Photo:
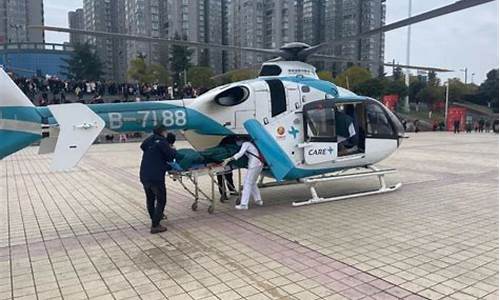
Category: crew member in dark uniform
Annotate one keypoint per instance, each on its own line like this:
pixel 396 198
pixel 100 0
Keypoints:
pixel 156 154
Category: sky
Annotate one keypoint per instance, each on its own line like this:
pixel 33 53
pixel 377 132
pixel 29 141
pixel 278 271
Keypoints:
pixel 464 39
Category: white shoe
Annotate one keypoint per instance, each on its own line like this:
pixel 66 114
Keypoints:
pixel 241 207
pixel 259 203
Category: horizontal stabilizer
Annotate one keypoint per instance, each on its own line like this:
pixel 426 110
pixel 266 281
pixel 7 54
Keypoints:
pixel 79 127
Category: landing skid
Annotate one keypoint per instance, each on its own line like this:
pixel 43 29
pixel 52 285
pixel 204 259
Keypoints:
pixel 311 182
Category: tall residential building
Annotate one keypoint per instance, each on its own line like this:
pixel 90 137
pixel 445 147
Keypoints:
pixel 313 18
pixel 347 18
pixel 246 23
pixel 142 18
pixel 247 30
pixel 197 21
pixel 280 23
pixel 106 16
pixel 16 16
pixel 76 21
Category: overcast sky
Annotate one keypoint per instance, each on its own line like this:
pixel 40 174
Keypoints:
pixel 467 38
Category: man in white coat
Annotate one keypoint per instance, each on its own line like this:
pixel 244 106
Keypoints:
pixel 255 165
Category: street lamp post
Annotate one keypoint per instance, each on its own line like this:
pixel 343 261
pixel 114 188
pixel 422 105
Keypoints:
pixel 408 46
pixel 465 74
pixel 446 104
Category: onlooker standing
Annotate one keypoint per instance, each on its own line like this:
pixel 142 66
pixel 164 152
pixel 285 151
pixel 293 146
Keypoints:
pixel 456 126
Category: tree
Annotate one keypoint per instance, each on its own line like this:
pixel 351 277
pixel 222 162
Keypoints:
pixel 243 74
pixel 396 87
pixel 489 89
pixel 353 76
pixel 83 64
pixel 142 72
pixel 432 79
pixel 416 85
pixel 180 60
pixel 458 89
pixel 372 87
pixel 204 60
pixel 397 74
pixel 430 95
pixel 201 77
pixel 138 70
pixel 326 75
pixel 159 74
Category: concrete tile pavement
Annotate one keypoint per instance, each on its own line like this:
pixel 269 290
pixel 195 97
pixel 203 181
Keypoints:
pixel 84 233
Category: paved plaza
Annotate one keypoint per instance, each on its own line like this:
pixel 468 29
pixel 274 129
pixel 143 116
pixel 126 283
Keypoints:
pixel 84 234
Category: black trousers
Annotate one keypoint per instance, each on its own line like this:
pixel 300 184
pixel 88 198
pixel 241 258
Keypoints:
pixel 229 180
pixel 156 199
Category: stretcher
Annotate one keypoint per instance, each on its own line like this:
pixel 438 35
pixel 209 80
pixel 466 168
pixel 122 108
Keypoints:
pixel 190 181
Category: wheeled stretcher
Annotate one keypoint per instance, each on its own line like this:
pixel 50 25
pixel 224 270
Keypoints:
pixel 190 181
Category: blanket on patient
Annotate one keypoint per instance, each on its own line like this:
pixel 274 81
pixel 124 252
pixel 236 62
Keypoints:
pixel 187 158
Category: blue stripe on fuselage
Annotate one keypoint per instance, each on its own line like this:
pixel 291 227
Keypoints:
pixel 13 141
pixel 132 115
pixel 20 113
pixel 322 85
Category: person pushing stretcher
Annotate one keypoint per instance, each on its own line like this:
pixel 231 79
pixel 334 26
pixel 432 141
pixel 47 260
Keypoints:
pixel 255 165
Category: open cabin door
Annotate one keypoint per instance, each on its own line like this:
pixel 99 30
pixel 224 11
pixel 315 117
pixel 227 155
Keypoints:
pixel 320 139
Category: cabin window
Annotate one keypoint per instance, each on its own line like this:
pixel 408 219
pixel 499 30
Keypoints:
pixel 270 70
pixel 278 97
pixel 378 124
pixel 232 96
pixel 319 122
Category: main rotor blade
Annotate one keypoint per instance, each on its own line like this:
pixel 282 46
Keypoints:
pixel 124 36
pixel 333 58
pixel 457 6
pixel 200 45
pixel 433 69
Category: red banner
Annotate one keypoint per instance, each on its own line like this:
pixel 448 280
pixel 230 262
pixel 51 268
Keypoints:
pixel 390 101
pixel 456 113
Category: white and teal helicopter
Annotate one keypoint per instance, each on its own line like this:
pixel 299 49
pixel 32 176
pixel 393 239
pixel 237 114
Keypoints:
pixel 307 129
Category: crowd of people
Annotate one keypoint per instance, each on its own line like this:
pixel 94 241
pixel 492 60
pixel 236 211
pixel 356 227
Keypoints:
pixel 52 90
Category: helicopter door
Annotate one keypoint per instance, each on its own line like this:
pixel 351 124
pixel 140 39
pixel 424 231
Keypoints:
pixel 293 95
pixel 272 103
pixel 320 139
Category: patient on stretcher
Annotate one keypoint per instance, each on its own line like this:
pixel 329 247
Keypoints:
pixel 188 159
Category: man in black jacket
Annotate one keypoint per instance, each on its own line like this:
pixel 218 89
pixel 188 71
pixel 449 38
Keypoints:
pixel 156 153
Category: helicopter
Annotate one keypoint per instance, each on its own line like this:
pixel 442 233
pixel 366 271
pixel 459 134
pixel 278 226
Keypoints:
pixel 308 130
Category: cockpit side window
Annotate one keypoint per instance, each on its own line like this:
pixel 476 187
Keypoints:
pixel 232 96
pixel 270 70
pixel 378 124
pixel 319 122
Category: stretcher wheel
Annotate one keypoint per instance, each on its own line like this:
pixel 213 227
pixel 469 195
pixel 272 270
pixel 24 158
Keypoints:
pixel 194 206
pixel 211 209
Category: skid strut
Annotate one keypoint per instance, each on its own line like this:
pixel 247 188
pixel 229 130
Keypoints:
pixel 312 182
